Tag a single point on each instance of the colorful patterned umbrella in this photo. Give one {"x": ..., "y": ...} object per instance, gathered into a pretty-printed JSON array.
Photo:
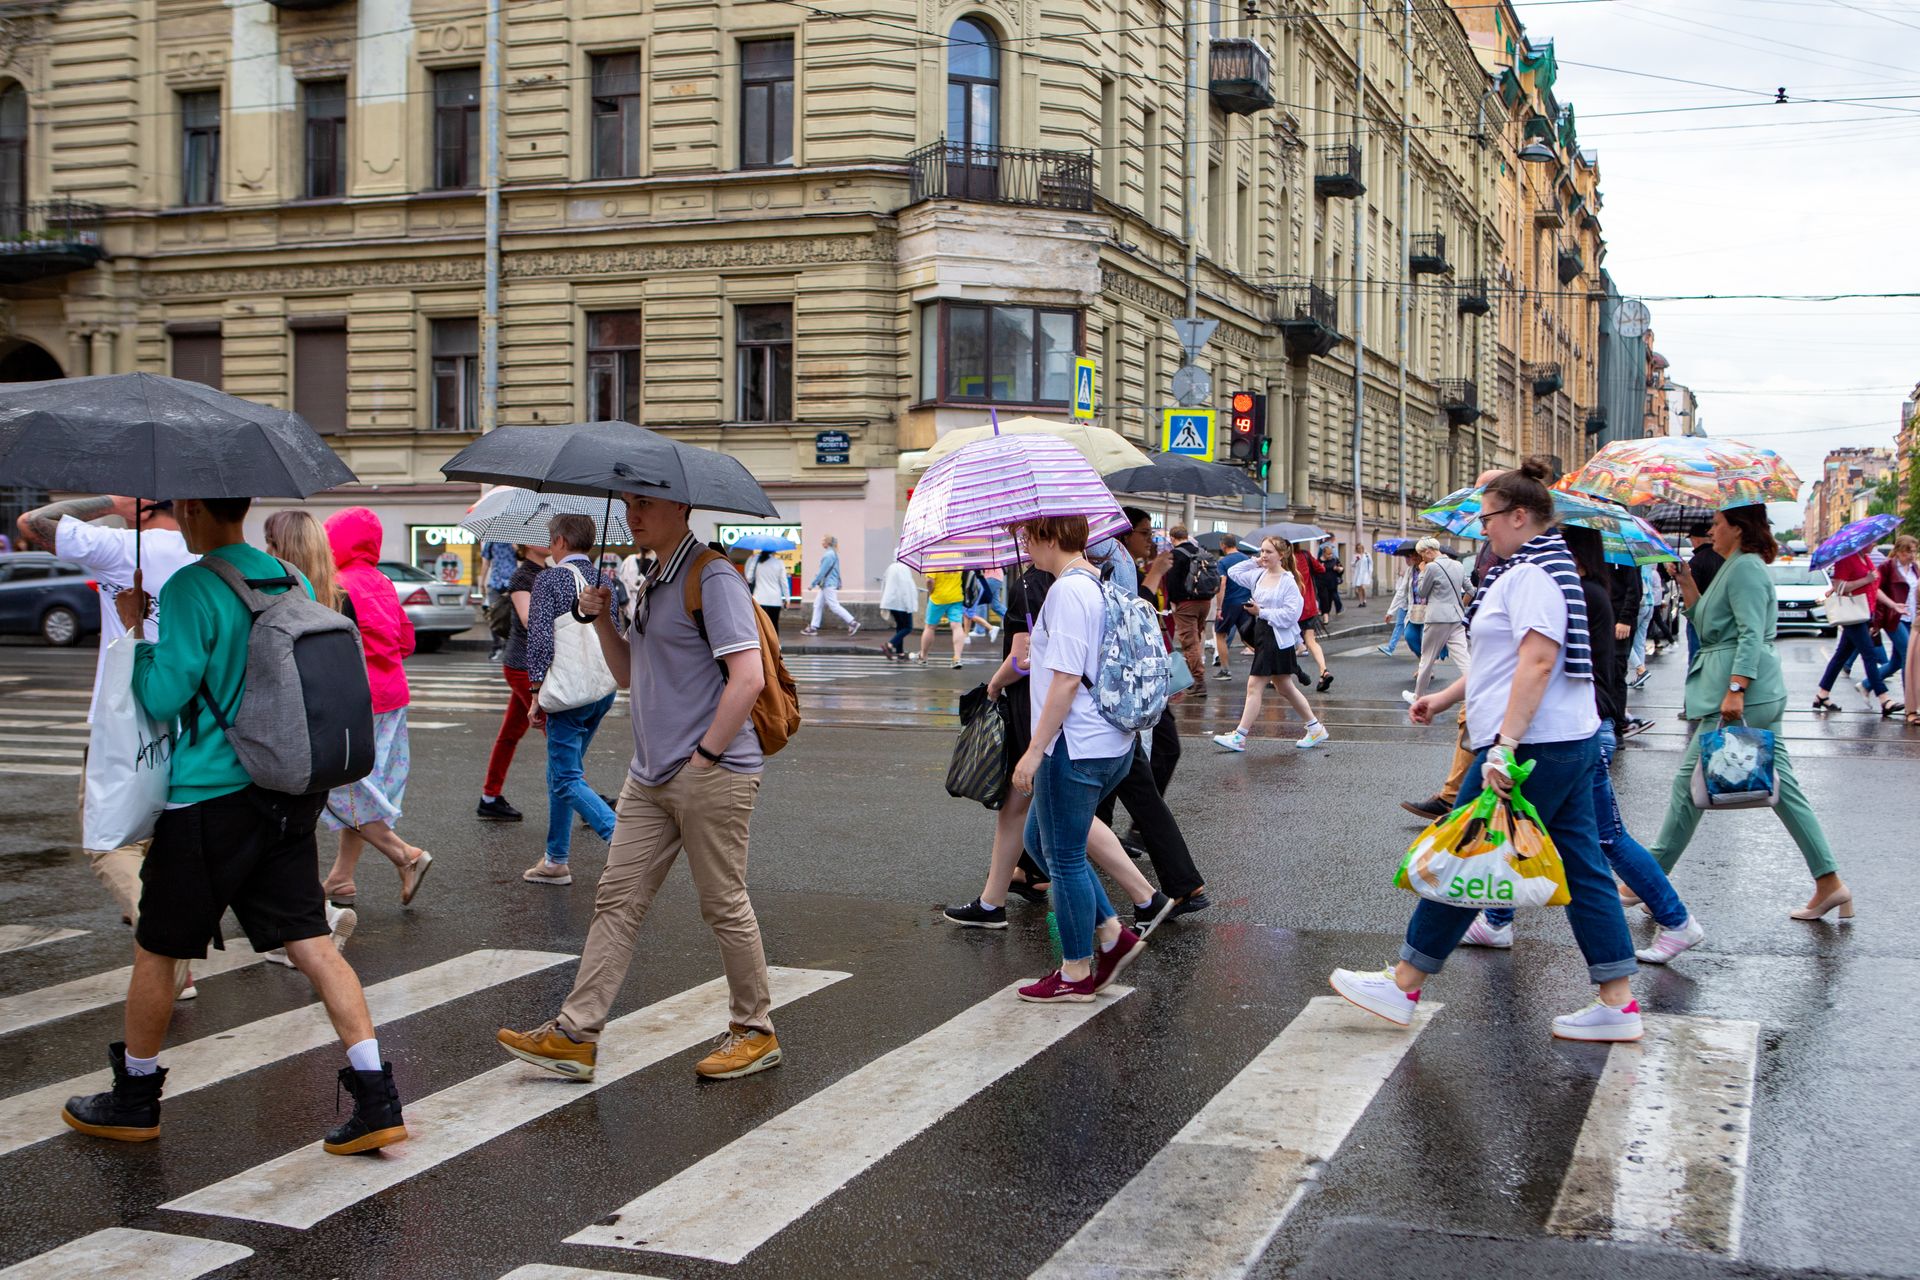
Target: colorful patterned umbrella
[
  {"x": 1623, "y": 532},
  {"x": 961, "y": 509},
  {"x": 1394, "y": 546},
  {"x": 1694, "y": 470},
  {"x": 1857, "y": 536}
]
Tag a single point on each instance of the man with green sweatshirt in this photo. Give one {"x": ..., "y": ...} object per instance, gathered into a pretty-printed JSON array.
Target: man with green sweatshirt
[{"x": 224, "y": 842}]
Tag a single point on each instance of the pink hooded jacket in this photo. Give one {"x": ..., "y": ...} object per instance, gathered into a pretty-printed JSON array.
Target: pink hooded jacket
[{"x": 385, "y": 630}]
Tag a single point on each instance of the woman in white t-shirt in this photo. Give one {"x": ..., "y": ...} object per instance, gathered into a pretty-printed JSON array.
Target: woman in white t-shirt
[
  {"x": 769, "y": 582},
  {"x": 1273, "y": 613},
  {"x": 1074, "y": 758},
  {"x": 1529, "y": 697}
]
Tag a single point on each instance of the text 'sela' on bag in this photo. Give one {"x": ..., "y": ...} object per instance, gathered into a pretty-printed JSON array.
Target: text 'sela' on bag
[
  {"x": 129, "y": 759},
  {"x": 980, "y": 769},
  {"x": 1487, "y": 853},
  {"x": 1735, "y": 769}
]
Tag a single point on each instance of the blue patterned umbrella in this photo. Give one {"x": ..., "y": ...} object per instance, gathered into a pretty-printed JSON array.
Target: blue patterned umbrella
[{"x": 1857, "y": 536}]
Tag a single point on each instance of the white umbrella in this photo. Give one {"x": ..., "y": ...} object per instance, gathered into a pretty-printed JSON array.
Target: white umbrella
[{"x": 508, "y": 514}]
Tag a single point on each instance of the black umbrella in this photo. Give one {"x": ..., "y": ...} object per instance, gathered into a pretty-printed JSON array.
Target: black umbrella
[
  {"x": 1287, "y": 531},
  {"x": 1211, "y": 541},
  {"x": 1680, "y": 520},
  {"x": 1177, "y": 473}
]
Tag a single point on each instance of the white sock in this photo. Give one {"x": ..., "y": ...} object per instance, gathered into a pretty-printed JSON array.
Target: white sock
[
  {"x": 1144, "y": 905},
  {"x": 365, "y": 1056},
  {"x": 142, "y": 1066},
  {"x": 1313, "y": 724},
  {"x": 487, "y": 799},
  {"x": 991, "y": 906},
  {"x": 1108, "y": 946}
]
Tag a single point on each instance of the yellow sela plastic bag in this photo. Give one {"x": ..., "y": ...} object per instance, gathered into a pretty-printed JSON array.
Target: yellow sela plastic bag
[{"x": 1487, "y": 853}]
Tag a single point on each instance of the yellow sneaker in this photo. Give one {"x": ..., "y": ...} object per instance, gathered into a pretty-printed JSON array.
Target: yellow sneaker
[
  {"x": 740, "y": 1052},
  {"x": 550, "y": 1047}
]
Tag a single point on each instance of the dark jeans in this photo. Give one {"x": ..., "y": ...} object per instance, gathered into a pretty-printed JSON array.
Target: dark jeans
[
  {"x": 1153, "y": 822},
  {"x": 1856, "y": 640},
  {"x": 1561, "y": 789},
  {"x": 1166, "y": 751},
  {"x": 1065, "y": 794},
  {"x": 902, "y": 628},
  {"x": 773, "y": 614}
]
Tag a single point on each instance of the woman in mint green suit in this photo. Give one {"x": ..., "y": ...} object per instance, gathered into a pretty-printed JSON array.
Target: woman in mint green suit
[{"x": 1736, "y": 675}]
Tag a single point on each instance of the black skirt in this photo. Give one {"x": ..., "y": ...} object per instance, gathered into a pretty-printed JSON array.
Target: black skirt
[{"x": 1269, "y": 659}]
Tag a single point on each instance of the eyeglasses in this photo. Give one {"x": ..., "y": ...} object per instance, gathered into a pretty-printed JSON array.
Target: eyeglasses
[{"x": 1486, "y": 515}]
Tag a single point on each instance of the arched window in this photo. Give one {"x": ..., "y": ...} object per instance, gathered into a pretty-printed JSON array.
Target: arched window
[
  {"x": 973, "y": 86},
  {"x": 13, "y": 156}
]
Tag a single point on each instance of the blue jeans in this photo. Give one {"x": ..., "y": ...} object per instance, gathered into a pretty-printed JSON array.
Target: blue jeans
[
  {"x": 1399, "y": 630},
  {"x": 1627, "y": 856},
  {"x": 1897, "y": 641},
  {"x": 1856, "y": 640},
  {"x": 1065, "y": 794},
  {"x": 1413, "y": 636},
  {"x": 1561, "y": 788},
  {"x": 569, "y": 734}
]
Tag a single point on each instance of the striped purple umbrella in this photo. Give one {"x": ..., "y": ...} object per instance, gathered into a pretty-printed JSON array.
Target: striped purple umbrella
[{"x": 961, "y": 509}]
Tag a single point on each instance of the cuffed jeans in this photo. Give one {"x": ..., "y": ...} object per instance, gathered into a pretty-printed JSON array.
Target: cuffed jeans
[
  {"x": 1627, "y": 856},
  {"x": 569, "y": 734},
  {"x": 902, "y": 628},
  {"x": 829, "y": 599},
  {"x": 1856, "y": 640},
  {"x": 1399, "y": 630},
  {"x": 1561, "y": 789},
  {"x": 1065, "y": 794}
]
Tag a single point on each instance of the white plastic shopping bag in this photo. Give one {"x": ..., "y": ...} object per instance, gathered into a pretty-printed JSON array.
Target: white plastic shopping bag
[{"x": 129, "y": 759}]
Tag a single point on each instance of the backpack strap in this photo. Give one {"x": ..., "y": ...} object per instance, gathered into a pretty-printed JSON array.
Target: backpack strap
[{"x": 248, "y": 588}]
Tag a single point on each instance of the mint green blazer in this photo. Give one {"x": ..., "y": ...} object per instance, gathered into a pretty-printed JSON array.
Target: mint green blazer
[{"x": 1735, "y": 618}]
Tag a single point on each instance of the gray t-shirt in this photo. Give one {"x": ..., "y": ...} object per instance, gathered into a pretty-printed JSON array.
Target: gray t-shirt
[{"x": 676, "y": 682}]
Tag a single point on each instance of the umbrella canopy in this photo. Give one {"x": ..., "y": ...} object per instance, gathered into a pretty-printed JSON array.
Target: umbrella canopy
[
  {"x": 153, "y": 437},
  {"x": 1107, "y": 450},
  {"x": 521, "y": 515},
  {"x": 1459, "y": 513},
  {"x": 1693, "y": 470},
  {"x": 763, "y": 542},
  {"x": 1177, "y": 473},
  {"x": 1395, "y": 546},
  {"x": 1211, "y": 541},
  {"x": 1857, "y": 536},
  {"x": 598, "y": 459},
  {"x": 960, "y": 512},
  {"x": 1288, "y": 531},
  {"x": 1679, "y": 519}
]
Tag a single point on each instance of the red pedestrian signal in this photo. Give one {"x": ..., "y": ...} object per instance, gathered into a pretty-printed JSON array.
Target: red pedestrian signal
[{"x": 1247, "y": 417}]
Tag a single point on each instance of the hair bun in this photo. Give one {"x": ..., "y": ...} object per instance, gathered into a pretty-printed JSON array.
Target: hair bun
[{"x": 1539, "y": 467}]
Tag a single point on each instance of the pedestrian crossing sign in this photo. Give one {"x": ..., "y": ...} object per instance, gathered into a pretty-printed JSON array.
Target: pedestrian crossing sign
[
  {"x": 1188, "y": 432},
  {"x": 1083, "y": 388}
]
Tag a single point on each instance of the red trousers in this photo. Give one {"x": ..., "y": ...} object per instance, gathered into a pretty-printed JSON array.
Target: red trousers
[{"x": 513, "y": 727}]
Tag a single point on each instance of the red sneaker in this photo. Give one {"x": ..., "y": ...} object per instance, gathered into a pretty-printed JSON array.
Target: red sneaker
[
  {"x": 1108, "y": 964},
  {"x": 1057, "y": 988}
]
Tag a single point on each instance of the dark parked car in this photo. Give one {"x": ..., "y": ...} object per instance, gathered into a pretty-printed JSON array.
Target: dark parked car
[
  {"x": 53, "y": 599},
  {"x": 438, "y": 609}
]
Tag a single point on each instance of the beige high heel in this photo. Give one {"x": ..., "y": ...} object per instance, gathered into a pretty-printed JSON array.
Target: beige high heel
[{"x": 1841, "y": 898}]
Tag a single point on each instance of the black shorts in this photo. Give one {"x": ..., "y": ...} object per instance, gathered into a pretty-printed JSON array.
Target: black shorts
[
  {"x": 1269, "y": 659},
  {"x": 1317, "y": 623},
  {"x": 251, "y": 850},
  {"x": 1228, "y": 622}
]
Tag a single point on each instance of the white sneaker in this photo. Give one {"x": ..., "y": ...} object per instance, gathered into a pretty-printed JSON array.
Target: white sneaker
[
  {"x": 1315, "y": 736},
  {"x": 1377, "y": 993},
  {"x": 1600, "y": 1022},
  {"x": 277, "y": 956},
  {"x": 1482, "y": 934},
  {"x": 1235, "y": 741},
  {"x": 1406, "y": 696},
  {"x": 341, "y": 922},
  {"x": 1669, "y": 943}
]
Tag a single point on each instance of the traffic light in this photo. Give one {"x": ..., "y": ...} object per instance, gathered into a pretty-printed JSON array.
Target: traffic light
[
  {"x": 1248, "y": 417},
  {"x": 1265, "y": 463}
]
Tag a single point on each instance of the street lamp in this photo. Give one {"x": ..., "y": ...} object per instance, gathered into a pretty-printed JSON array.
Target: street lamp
[{"x": 1537, "y": 152}]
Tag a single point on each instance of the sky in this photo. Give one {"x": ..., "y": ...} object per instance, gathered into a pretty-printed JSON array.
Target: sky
[{"x": 1755, "y": 197}]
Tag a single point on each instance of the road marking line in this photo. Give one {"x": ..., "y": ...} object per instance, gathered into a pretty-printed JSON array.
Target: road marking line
[
  {"x": 48, "y": 1004},
  {"x": 433, "y": 724},
  {"x": 306, "y": 1186},
  {"x": 47, "y": 770},
  {"x": 39, "y": 748},
  {"x": 1240, "y": 1166},
  {"x": 1662, "y": 1155},
  {"x": 741, "y": 1196},
  {"x": 56, "y": 693},
  {"x": 118, "y": 1252},
  {"x": 547, "y": 1271},
  {"x": 27, "y": 1118},
  {"x": 18, "y": 937}
]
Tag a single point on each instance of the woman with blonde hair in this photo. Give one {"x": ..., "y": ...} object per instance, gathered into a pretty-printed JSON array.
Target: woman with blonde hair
[{"x": 1274, "y": 610}]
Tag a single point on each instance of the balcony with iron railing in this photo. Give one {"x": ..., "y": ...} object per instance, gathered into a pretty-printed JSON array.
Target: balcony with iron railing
[
  {"x": 1240, "y": 76},
  {"x": 1309, "y": 319},
  {"x": 1568, "y": 263},
  {"x": 1546, "y": 378},
  {"x": 1427, "y": 254},
  {"x": 1475, "y": 297},
  {"x": 1460, "y": 397},
  {"x": 1548, "y": 212},
  {"x": 947, "y": 170},
  {"x": 303, "y": 6},
  {"x": 1596, "y": 422},
  {"x": 44, "y": 238},
  {"x": 1337, "y": 171}
]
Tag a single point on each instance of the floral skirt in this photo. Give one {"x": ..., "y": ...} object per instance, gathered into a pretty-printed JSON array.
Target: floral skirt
[{"x": 376, "y": 797}]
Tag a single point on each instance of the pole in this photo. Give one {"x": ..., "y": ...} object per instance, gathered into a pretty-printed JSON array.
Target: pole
[
  {"x": 1359, "y": 293},
  {"x": 1193, "y": 122},
  {"x": 490, "y": 308},
  {"x": 1406, "y": 262}
]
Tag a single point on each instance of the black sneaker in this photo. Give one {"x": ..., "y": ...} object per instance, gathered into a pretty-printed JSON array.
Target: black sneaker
[
  {"x": 1026, "y": 890},
  {"x": 1432, "y": 808},
  {"x": 1146, "y": 919},
  {"x": 976, "y": 916},
  {"x": 376, "y": 1120},
  {"x": 497, "y": 810},
  {"x": 1195, "y": 901},
  {"x": 128, "y": 1112},
  {"x": 1636, "y": 726},
  {"x": 1133, "y": 847}
]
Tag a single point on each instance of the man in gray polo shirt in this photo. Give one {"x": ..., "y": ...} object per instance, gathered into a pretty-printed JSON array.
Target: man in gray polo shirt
[{"x": 695, "y": 771}]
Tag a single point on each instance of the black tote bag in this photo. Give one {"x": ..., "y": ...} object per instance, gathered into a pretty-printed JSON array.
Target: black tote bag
[{"x": 980, "y": 769}]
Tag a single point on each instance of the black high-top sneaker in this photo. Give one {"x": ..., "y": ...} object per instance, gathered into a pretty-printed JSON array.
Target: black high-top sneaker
[
  {"x": 128, "y": 1112},
  {"x": 376, "y": 1120}
]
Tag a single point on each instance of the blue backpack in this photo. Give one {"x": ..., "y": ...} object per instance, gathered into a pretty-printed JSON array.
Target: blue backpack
[{"x": 1130, "y": 690}]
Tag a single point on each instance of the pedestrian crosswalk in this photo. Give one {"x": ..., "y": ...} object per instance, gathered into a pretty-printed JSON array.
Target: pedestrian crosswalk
[
  {"x": 81, "y": 994},
  {"x": 18, "y": 937},
  {"x": 120, "y": 1251}
]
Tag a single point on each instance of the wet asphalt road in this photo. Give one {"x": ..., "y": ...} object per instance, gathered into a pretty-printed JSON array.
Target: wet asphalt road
[{"x": 1476, "y": 1132}]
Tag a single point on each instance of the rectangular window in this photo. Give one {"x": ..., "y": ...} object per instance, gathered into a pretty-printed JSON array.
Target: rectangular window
[
  {"x": 324, "y": 104},
  {"x": 1150, "y": 167},
  {"x": 766, "y": 103},
  {"x": 613, "y": 367},
  {"x": 1006, "y": 354},
  {"x": 616, "y": 115},
  {"x": 456, "y": 129},
  {"x": 200, "y": 147},
  {"x": 763, "y": 357},
  {"x": 1243, "y": 223},
  {"x": 196, "y": 355},
  {"x": 456, "y": 374},
  {"x": 1109, "y": 158},
  {"x": 320, "y": 376}
]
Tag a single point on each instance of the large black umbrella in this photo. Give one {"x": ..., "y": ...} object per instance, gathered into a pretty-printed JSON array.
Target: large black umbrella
[
  {"x": 153, "y": 437},
  {"x": 1679, "y": 519},
  {"x": 604, "y": 458},
  {"x": 1211, "y": 541},
  {"x": 1288, "y": 531},
  {"x": 1177, "y": 473}
]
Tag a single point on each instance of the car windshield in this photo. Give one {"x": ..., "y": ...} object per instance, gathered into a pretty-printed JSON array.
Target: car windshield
[
  {"x": 404, "y": 572},
  {"x": 1796, "y": 575}
]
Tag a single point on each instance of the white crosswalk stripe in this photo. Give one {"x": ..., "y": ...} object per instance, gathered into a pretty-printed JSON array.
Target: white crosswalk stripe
[
  {"x": 305, "y": 1186},
  {"x": 547, "y": 1271},
  {"x": 738, "y": 1198},
  {"x": 1240, "y": 1166},
  {"x": 119, "y": 1252},
  {"x": 18, "y": 937},
  {"x": 48, "y": 1004},
  {"x": 34, "y": 1116},
  {"x": 45, "y": 770},
  {"x": 1662, "y": 1155}
]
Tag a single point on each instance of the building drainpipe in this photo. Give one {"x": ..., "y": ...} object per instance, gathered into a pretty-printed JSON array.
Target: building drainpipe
[
  {"x": 495, "y": 78},
  {"x": 1359, "y": 292},
  {"x": 1406, "y": 261}
]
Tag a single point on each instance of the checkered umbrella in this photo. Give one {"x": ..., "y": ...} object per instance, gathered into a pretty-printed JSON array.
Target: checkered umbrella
[
  {"x": 1679, "y": 519},
  {"x": 963, "y": 509},
  {"x": 510, "y": 514}
]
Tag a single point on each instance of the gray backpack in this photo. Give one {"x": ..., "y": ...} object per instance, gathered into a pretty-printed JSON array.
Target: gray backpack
[{"x": 305, "y": 719}]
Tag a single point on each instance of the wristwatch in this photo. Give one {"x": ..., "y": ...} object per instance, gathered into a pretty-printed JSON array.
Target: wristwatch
[{"x": 1734, "y": 686}]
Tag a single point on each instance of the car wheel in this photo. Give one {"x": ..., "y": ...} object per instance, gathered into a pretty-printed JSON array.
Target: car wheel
[
  {"x": 60, "y": 626},
  {"x": 1829, "y": 633},
  {"x": 429, "y": 641}
]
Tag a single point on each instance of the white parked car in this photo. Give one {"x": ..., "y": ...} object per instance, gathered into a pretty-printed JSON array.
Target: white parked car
[{"x": 1800, "y": 588}]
